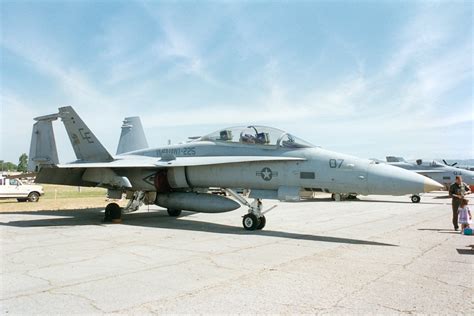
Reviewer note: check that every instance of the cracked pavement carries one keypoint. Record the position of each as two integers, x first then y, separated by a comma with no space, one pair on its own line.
374,255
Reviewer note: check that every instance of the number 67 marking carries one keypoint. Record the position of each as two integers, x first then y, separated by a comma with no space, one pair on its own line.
335,163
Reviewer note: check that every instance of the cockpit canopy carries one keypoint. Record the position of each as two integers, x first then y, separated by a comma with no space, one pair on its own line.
436,164
256,135
433,163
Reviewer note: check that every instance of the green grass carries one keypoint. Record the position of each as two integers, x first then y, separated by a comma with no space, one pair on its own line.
62,191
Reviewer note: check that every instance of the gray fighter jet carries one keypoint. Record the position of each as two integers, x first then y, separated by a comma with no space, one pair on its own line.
438,171
268,162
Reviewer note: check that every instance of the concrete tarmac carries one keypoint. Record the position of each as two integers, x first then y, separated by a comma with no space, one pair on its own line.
376,255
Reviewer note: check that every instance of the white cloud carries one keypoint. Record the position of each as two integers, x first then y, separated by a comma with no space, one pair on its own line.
419,38
436,65
179,47
74,83
15,120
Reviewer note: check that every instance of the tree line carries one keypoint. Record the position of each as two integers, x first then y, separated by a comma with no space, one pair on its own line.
22,165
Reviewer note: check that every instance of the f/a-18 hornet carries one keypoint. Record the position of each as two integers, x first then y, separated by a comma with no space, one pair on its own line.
438,171
268,162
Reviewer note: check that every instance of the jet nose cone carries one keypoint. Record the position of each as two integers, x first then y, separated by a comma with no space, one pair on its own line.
431,185
390,180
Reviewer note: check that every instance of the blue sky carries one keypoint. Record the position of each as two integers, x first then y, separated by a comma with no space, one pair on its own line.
371,78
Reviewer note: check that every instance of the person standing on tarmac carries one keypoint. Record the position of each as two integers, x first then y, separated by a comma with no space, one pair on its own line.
457,191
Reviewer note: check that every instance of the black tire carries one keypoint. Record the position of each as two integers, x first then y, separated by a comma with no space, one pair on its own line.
116,213
173,212
33,197
250,222
415,198
22,200
112,211
107,217
352,197
262,223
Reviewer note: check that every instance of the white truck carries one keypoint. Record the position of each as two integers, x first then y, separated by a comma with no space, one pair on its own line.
15,189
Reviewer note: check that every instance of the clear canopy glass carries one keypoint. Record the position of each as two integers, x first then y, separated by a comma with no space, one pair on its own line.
435,163
256,135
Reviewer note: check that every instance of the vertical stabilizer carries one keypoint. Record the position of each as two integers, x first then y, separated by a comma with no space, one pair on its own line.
43,144
132,136
86,146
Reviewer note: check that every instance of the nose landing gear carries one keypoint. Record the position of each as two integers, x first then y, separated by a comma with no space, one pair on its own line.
252,222
415,198
255,219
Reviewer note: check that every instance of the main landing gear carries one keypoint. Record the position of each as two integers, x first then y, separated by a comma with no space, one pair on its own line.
173,212
135,202
113,213
343,196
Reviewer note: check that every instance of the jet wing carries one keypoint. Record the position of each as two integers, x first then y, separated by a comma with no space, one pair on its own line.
428,171
216,160
153,162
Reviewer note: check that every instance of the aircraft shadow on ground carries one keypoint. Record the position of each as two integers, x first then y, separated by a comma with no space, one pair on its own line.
160,219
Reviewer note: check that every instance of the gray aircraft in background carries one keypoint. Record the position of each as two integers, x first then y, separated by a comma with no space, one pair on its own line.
268,162
438,171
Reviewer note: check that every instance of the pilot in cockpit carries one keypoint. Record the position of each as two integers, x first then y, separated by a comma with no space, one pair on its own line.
225,135
257,138
247,138
262,138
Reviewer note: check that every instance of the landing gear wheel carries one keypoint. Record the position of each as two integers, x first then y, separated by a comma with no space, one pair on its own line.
33,197
250,222
352,197
173,212
113,213
262,223
415,198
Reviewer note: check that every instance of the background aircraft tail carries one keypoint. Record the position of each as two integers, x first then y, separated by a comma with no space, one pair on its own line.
86,146
43,149
132,136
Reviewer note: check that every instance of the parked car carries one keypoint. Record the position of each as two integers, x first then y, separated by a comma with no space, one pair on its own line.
15,189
